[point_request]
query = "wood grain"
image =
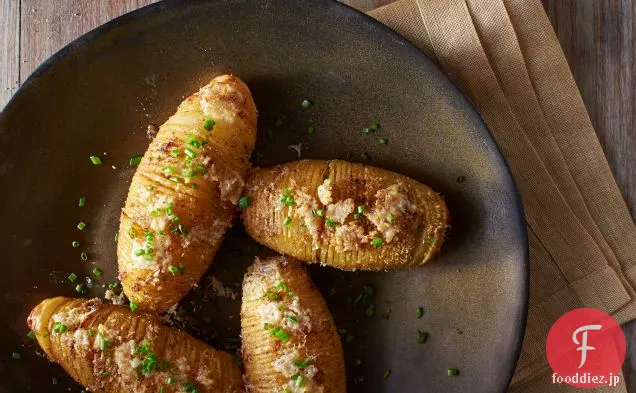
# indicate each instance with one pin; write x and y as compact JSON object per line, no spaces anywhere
{"x":598,"y":39}
{"x":47,"y":26}
{"x":9,"y":49}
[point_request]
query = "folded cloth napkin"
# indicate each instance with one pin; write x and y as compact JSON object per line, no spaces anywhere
{"x":504,"y":55}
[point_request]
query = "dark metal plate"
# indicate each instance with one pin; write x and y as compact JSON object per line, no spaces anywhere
{"x":97,"y":96}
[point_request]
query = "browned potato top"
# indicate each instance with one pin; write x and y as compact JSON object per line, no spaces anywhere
{"x":109,"y":349}
{"x":184,"y":193}
{"x":350,"y":216}
{"x":290,"y":342}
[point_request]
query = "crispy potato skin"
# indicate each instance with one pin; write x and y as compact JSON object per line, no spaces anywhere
{"x":319,"y":340}
{"x":111,"y":370}
{"x":420,"y":239}
{"x":184,"y":194}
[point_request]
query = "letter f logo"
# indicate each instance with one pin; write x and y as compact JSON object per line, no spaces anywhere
{"x":584,"y":347}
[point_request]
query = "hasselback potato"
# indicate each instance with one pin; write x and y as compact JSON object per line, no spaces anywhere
{"x":346,"y":215}
{"x":184,"y":193}
{"x":109,"y":349}
{"x":289,"y":339}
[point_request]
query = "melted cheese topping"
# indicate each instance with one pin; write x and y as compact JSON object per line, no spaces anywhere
{"x":324,"y":192}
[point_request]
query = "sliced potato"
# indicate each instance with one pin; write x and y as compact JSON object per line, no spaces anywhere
{"x":289,"y":339}
{"x":184,"y":194}
{"x":109,"y":349}
{"x":346,"y":215}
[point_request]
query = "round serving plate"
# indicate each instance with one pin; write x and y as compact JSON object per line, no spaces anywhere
{"x":98,"y":95}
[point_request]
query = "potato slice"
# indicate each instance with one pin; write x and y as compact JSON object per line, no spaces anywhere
{"x":109,"y":349}
{"x":346,"y":215}
{"x":289,"y":339}
{"x":184,"y":193}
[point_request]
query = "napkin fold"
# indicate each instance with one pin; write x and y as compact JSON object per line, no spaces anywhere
{"x":504,"y":55}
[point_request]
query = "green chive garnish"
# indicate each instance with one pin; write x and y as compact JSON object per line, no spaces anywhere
{"x":383,"y":141}
{"x":287,"y":221}
{"x":306,"y":104}
{"x":133,"y":306}
{"x":59,"y":327}
{"x":175,"y":153}
{"x":387,"y":373}
{"x":75,"y":244}
{"x":96,"y":160}
{"x":84,"y":256}
{"x":16,"y":356}
{"x":72,"y":277}
{"x":365,"y":156}
{"x":31,"y":335}
{"x":81,"y":225}
{"x":79,"y":288}
{"x":189,"y":152}
{"x":461,"y":179}
{"x":421,"y":337}
{"x":243,"y":202}
{"x":97,"y":271}
{"x":176,"y":270}
{"x":53,"y":381}
{"x":135,"y":160}
{"x":420,"y":312}
{"x":377,"y":242}
{"x":453,"y":372}
{"x":208,"y":124}
{"x":330,"y":222}
{"x":81,"y":202}
{"x":311,"y":128}
{"x":370,"y":310}
{"x":139,"y":252}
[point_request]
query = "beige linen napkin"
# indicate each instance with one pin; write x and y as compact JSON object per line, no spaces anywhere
{"x":504,"y":55}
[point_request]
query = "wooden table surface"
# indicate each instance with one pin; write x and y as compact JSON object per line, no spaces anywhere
{"x":598,"y":38}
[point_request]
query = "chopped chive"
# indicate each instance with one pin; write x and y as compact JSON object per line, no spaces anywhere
{"x":189,"y":152}
{"x":419,"y":313}
{"x":377,"y":242}
{"x":175,"y":153}
{"x":386,"y":314}
{"x":139,"y":252}
{"x":176,"y":270}
{"x":358,"y":216}
{"x":103,"y":343}
{"x":349,"y":338}
{"x":75,"y":244}
{"x":31,"y":335}
{"x":16,"y":356}
{"x":320,"y":212}
{"x":330,"y":222}
{"x":97,"y":271}
{"x":461,"y":179}
{"x":170,"y":380}
{"x":133,"y":306}
{"x":208,"y":124}
{"x":387,"y":373}
{"x":96,"y":160}
{"x":84,"y":256}
{"x":81,"y":202}
{"x":361,"y":209}
{"x":311,"y":128}
{"x":306,"y":104}
{"x":367,"y":130}
{"x":182,"y":229}
{"x":81,"y":225}
{"x":370,"y":310}
{"x":59,"y":327}
{"x":244,"y":202}
{"x":365,"y":156}
{"x":287,"y":221}
{"x":374,"y":126}
{"x":79,"y":288}
{"x":53,"y":381}
{"x":113,"y":285}
{"x":383,"y":141}
{"x":391,"y":218}
{"x":342,"y":331}
{"x":293,"y":319}
{"x":453,"y":372}
{"x":135,"y":160}
{"x":300,"y":381}
{"x":421,"y":337}
{"x":89,"y":282}
{"x":72,"y":277}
